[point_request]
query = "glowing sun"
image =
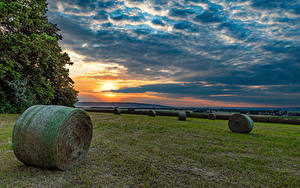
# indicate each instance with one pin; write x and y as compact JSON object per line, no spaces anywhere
{"x":107,"y":86}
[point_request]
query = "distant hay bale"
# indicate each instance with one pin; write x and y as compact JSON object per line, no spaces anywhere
{"x":212,"y":116}
{"x":188,"y":111}
{"x":152,"y":113}
{"x":182,"y":116}
{"x":240,"y":123}
{"x":53,"y":137}
{"x":117,"y":111}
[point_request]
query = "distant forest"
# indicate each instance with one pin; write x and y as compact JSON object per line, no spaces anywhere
{"x":32,"y":65}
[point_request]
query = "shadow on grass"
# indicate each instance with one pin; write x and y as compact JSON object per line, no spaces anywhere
{"x":23,"y":171}
{"x":24,"y":168}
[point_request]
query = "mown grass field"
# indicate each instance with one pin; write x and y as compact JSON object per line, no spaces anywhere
{"x":142,"y":151}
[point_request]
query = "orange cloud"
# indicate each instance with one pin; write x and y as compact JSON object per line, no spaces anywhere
{"x":95,"y":80}
{"x":98,"y":90}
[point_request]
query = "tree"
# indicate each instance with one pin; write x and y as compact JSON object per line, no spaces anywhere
{"x":32,"y":65}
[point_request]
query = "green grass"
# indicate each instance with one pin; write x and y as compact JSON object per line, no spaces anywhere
{"x":142,"y":151}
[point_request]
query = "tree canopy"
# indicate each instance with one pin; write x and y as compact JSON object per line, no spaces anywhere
{"x":32,"y":65}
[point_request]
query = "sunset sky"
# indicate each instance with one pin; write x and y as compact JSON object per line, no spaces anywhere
{"x":183,"y":52}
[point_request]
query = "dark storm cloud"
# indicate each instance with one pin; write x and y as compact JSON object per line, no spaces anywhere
{"x":101,"y":15}
{"x":214,"y":14}
{"x":236,"y":30}
{"x":106,"y":4}
{"x":158,"y":22}
{"x":285,"y":5}
{"x":235,"y":43}
{"x":180,"y":12}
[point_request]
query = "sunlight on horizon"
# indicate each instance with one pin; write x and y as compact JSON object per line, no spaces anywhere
{"x":107,"y":86}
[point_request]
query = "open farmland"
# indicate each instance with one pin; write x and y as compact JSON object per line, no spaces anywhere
{"x":138,"y":150}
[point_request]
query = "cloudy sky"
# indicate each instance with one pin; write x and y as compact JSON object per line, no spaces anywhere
{"x":183,"y":52}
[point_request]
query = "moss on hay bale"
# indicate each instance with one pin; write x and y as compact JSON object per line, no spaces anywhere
{"x":240,"y":123}
{"x":182,"y":116}
{"x":117,"y":111}
{"x":152,"y":113}
{"x":52,"y":137}
{"x":212,"y":116}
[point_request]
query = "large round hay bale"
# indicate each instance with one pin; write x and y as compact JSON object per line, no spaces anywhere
{"x":212,"y":116}
{"x":52,"y":136}
{"x":182,"y":116}
{"x":117,"y":111}
{"x":240,"y":123}
{"x":152,"y":113}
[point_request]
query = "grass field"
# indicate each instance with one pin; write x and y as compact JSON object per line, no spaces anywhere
{"x":142,"y":151}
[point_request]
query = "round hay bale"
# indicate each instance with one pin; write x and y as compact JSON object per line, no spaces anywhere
{"x":152,"y":113}
{"x":188,"y":111}
{"x":53,"y":137}
{"x":182,"y":116}
{"x":117,"y":111}
{"x":212,"y":116}
{"x":240,"y":123}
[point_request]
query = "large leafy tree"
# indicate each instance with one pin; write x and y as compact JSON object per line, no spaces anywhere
{"x":32,"y":65}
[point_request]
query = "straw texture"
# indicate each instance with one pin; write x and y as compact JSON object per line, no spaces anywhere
{"x":52,"y":136}
{"x":240,"y":123}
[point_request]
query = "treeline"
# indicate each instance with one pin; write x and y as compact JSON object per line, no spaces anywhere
{"x":32,"y":65}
